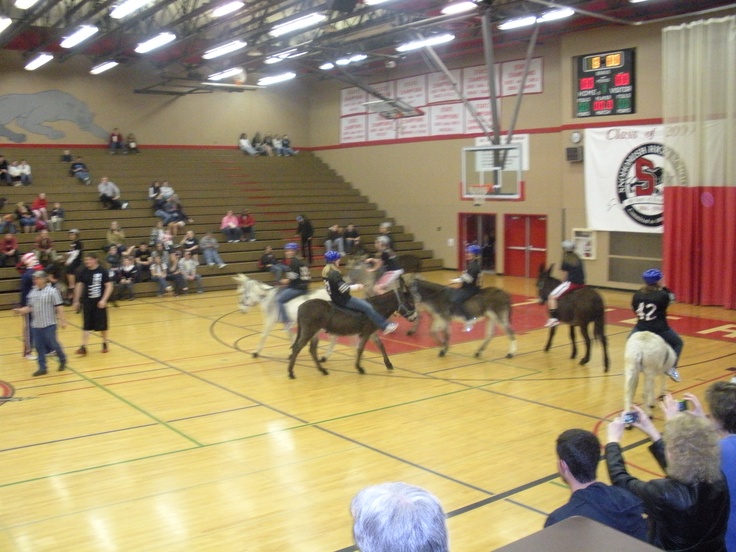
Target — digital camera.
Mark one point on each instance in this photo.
(682, 405)
(631, 417)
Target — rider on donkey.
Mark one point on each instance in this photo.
(339, 291)
(470, 285)
(574, 279)
(296, 279)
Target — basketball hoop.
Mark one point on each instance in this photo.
(479, 194)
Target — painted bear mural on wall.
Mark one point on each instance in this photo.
(31, 112)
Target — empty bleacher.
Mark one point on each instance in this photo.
(209, 182)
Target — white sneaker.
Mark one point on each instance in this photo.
(30, 356)
(673, 374)
(551, 323)
(210, 264)
(125, 205)
(222, 265)
(391, 328)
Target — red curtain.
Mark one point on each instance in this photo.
(700, 244)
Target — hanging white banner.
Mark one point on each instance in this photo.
(626, 170)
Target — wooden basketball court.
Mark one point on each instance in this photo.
(179, 440)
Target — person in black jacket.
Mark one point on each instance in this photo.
(305, 231)
(689, 508)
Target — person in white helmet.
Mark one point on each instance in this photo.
(574, 279)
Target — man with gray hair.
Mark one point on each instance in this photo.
(393, 516)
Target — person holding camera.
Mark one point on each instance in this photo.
(650, 305)
(578, 454)
(688, 509)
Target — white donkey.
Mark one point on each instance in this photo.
(252, 292)
(648, 353)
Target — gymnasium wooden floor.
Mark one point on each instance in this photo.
(179, 440)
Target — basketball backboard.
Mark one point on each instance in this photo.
(498, 169)
(393, 109)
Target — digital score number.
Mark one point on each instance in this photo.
(605, 84)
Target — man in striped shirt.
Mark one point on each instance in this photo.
(47, 306)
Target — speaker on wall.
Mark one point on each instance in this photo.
(574, 155)
(345, 6)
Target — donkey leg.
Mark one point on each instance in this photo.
(631, 380)
(296, 348)
(552, 331)
(268, 323)
(314, 342)
(512, 338)
(490, 329)
(415, 325)
(379, 344)
(649, 376)
(574, 353)
(444, 335)
(586, 338)
(330, 348)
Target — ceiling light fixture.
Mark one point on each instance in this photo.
(556, 14)
(297, 24)
(431, 41)
(233, 46)
(24, 4)
(82, 34)
(127, 7)
(102, 67)
(265, 81)
(637, 1)
(155, 42)
(518, 22)
(225, 9)
(459, 7)
(4, 23)
(227, 73)
(374, 2)
(38, 61)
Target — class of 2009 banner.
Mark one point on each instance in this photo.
(626, 170)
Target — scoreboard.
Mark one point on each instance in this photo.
(605, 84)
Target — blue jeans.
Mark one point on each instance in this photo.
(277, 270)
(284, 297)
(670, 337)
(211, 256)
(44, 340)
(161, 284)
(366, 308)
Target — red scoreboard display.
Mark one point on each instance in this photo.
(605, 84)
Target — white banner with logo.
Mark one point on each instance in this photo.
(626, 169)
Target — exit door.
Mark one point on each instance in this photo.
(525, 238)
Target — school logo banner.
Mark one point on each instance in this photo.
(626, 170)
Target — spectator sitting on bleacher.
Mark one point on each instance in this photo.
(25, 173)
(8, 226)
(190, 244)
(278, 145)
(334, 240)
(131, 143)
(144, 259)
(247, 223)
(261, 147)
(39, 207)
(158, 274)
(129, 276)
(25, 218)
(157, 234)
(578, 454)
(5, 171)
(57, 217)
(9, 251)
(166, 190)
(114, 260)
(189, 270)
(160, 250)
(66, 156)
(80, 171)
(269, 263)
(174, 215)
(245, 146)
(230, 226)
(385, 230)
(44, 249)
(174, 274)
(14, 173)
(110, 195)
(116, 236)
(209, 246)
(286, 148)
(116, 141)
(156, 197)
(352, 239)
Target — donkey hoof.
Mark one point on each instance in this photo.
(323, 359)
(443, 353)
(292, 376)
(477, 354)
(324, 372)
(584, 361)
(390, 366)
(509, 355)
(360, 370)
(255, 355)
(410, 332)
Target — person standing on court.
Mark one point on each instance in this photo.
(650, 305)
(92, 291)
(47, 306)
(27, 266)
(574, 279)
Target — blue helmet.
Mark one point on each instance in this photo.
(474, 249)
(652, 276)
(332, 256)
(291, 245)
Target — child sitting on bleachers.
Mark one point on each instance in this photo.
(57, 217)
